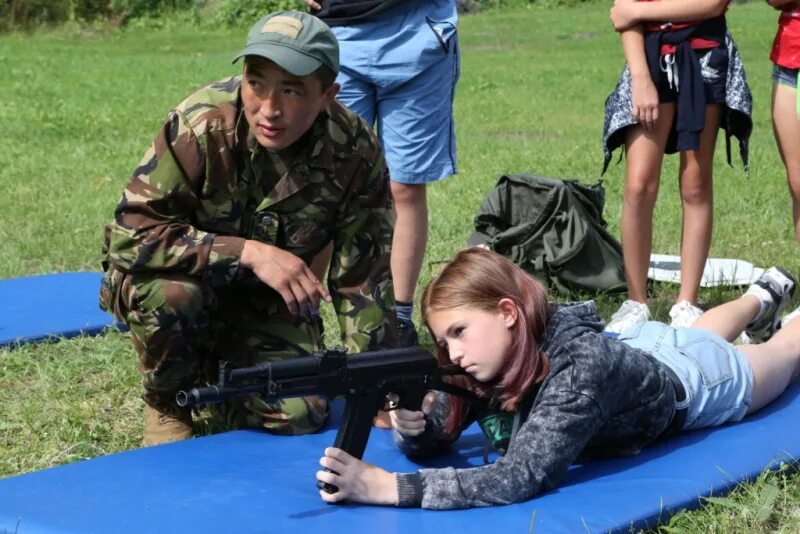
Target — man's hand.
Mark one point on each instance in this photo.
(357, 481)
(410, 423)
(312, 4)
(287, 274)
(623, 14)
(645, 100)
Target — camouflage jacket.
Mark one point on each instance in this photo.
(205, 186)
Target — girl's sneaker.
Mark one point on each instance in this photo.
(629, 314)
(774, 289)
(684, 314)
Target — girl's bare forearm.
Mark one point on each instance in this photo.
(679, 10)
(633, 48)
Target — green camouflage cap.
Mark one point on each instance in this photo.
(298, 42)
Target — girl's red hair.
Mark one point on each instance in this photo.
(477, 279)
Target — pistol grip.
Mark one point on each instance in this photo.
(359, 411)
(324, 486)
(412, 400)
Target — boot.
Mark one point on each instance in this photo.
(165, 427)
(406, 334)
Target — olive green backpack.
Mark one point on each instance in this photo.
(555, 230)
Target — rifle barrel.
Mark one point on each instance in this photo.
(322, 373)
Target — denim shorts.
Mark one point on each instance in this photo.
(714, 69)
(785, 76)
(717, 378)
(399, 71)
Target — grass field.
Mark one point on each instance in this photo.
(79, 108)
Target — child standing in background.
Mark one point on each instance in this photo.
(682, 82)
(785, 102)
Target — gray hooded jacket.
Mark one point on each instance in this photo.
(600, 398)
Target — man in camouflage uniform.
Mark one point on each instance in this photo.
(208, 255)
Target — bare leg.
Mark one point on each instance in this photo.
(410, 237)
(645, 152)
(776, 364)
(730, 319)
(697, 195)
(787, 134)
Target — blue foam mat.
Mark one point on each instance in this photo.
(248, 481)
(50, 306)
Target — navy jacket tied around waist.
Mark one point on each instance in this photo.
(691, 111)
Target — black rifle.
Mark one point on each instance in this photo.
(363, 379)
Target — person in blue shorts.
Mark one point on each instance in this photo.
(399, 66)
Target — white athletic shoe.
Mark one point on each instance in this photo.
(629, 314)
(684, 314)
(774, 289)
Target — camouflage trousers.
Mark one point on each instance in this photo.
(182, 328)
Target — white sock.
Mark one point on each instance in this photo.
(764, 299)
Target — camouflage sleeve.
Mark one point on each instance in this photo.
(359, 278)
(152, 228)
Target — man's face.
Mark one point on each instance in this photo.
(279, 106)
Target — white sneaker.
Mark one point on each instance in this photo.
(629, 314)
(684, 314)
(774, 289)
